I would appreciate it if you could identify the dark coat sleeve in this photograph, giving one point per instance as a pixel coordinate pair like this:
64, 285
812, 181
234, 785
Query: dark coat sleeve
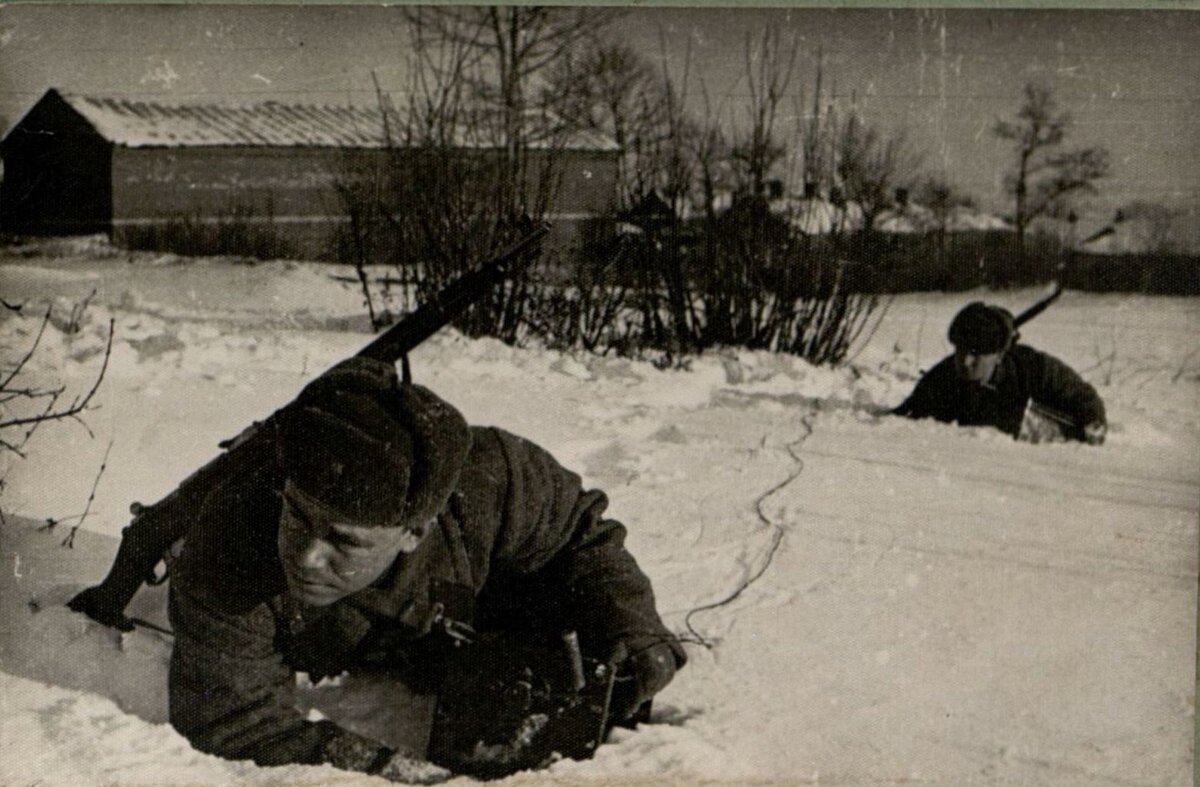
554, 536
930, 396
1056, 385
232, 695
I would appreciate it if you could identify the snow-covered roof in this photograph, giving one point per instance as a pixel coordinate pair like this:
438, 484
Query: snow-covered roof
138, 123
153, 124
1094, 234
964, 218
905, 219
912, 218
1127, 236
818, 216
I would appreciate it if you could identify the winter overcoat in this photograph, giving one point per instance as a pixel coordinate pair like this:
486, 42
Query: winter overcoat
519, 533
1023, 374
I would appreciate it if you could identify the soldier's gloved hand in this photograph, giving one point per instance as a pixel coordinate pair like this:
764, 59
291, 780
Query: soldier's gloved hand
95, 603
407, 769
353, 752
1095, 432
646, 670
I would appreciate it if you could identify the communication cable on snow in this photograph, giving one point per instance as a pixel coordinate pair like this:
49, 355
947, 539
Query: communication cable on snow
778, 530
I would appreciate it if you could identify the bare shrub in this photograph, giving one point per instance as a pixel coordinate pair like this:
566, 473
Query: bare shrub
237, 231
25, 406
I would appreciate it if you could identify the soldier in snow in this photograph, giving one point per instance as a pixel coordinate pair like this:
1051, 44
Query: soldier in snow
990, 380
371, 523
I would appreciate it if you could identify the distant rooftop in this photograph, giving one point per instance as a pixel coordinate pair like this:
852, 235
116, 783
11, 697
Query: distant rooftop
136, 123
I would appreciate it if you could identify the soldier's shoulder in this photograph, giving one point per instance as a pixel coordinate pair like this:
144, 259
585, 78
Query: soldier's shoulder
499, 454
1025, 354
486, 461
492, 441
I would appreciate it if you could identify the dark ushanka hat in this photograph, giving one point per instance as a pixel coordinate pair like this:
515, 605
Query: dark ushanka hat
367, 447
982, 328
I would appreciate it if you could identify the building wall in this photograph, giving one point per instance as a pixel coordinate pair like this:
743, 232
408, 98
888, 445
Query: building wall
56, 174
293, 193
285, 191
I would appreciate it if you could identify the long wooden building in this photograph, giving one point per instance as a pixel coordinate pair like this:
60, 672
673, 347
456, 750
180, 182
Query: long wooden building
84, 164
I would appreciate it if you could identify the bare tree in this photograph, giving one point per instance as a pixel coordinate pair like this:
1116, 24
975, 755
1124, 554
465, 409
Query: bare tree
612, 88
769, 69
471, 153
870, 164
510, 48
1042, 178
942, 198
815, 136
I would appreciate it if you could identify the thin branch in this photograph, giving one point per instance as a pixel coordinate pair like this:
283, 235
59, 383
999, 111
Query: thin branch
10, 447
37, 340
79, 405
69, 541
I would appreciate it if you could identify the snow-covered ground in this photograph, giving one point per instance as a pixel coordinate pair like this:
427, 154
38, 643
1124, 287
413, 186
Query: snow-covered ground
943, 605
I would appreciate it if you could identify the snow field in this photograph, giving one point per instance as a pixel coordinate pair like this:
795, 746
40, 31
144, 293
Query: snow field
936, 604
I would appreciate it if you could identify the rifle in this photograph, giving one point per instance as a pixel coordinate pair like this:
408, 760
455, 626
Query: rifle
1038, 307
155, 528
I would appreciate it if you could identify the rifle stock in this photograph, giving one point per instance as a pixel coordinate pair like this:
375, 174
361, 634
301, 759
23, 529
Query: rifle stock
155, 528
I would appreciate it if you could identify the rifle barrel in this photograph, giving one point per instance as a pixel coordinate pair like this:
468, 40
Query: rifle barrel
447, 304
1038, 308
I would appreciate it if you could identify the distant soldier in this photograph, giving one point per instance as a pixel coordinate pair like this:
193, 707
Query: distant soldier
990, 380
367, 526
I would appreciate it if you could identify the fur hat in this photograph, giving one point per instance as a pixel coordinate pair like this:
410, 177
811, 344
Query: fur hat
362, 444
982, 328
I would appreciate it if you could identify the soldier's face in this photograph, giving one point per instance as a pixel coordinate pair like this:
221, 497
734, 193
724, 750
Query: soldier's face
326, 560
976, 367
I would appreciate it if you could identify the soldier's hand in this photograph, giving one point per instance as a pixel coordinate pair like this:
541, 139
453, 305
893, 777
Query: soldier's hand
645, 672
1095, 432
97, 605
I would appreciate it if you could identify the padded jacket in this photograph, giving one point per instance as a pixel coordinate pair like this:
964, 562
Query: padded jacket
1023, 374
530, 547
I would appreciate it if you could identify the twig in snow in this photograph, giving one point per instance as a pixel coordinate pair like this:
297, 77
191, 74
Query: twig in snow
1183, 365
1104, 363
77, 311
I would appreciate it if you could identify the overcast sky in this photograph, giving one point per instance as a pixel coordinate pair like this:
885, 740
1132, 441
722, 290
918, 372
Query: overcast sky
1131, 79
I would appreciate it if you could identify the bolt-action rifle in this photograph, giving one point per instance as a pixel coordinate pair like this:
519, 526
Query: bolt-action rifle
155, 528
1037, 308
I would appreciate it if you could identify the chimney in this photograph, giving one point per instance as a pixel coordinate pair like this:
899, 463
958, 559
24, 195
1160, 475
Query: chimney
810, 189
774, 188
837, 197
902, 197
